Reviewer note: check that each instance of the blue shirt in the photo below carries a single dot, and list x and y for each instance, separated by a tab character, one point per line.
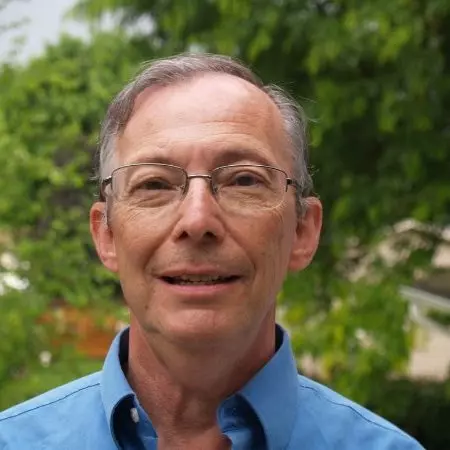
277	409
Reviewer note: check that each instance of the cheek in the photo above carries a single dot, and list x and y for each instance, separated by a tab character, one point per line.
278	247
137	236
271	238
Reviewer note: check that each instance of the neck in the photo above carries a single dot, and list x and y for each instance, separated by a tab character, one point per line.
186	386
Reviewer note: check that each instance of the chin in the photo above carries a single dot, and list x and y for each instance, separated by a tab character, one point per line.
200	330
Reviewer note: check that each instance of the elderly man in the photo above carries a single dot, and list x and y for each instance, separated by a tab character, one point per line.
204	207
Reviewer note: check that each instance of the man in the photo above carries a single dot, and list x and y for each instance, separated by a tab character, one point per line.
204	207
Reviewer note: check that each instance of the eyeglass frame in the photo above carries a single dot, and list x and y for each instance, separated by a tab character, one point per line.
108	180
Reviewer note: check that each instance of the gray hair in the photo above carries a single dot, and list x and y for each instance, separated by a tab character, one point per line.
167	71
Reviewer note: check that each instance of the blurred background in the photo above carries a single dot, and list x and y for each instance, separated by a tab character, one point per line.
371	316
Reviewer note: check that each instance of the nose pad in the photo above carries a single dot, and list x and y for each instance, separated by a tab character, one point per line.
213	189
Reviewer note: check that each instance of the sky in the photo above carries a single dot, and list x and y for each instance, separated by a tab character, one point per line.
45	22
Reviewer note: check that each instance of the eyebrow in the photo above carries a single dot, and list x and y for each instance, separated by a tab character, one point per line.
228	156
239	154
157	158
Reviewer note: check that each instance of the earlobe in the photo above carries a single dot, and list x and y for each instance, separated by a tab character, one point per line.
103	236
307	235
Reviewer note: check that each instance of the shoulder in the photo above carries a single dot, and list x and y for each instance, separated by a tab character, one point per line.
53	417
56	400
337	422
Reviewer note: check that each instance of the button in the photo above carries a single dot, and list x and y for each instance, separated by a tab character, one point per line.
134	415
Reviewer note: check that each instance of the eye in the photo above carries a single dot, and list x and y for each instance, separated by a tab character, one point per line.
154	184
246	179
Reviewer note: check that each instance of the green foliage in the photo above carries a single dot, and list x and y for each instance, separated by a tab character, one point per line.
51	110
49	115
23	384
440	318
356	340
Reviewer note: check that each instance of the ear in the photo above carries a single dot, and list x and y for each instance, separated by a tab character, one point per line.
307	235
102	236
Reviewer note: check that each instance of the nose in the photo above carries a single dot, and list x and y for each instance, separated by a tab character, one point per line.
199	217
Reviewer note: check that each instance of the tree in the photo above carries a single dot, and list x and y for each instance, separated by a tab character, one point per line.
374	77
50	109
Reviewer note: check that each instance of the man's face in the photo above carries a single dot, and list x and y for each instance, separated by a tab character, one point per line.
162	257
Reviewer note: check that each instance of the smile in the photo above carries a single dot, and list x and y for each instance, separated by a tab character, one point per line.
199	279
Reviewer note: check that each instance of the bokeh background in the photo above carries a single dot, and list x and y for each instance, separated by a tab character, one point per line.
371	316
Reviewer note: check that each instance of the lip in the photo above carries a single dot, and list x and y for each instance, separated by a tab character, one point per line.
197	271
200	292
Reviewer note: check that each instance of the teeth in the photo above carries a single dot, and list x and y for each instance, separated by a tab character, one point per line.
198	278
182	282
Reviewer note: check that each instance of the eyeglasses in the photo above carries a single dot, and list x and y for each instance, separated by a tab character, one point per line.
235	187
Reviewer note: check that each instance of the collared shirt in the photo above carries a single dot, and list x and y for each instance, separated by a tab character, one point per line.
276	410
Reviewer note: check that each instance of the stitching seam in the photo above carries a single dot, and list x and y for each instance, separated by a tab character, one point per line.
318	394
49	403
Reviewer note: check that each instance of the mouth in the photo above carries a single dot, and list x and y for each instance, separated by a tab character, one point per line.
200	280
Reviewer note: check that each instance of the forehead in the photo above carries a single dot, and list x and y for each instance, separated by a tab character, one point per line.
205	114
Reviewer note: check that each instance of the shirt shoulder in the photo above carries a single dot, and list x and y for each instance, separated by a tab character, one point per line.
56	419
331	421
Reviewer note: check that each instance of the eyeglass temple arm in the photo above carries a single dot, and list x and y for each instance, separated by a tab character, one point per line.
103	184
292	182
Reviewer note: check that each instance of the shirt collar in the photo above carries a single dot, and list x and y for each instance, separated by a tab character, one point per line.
115	388
272	393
